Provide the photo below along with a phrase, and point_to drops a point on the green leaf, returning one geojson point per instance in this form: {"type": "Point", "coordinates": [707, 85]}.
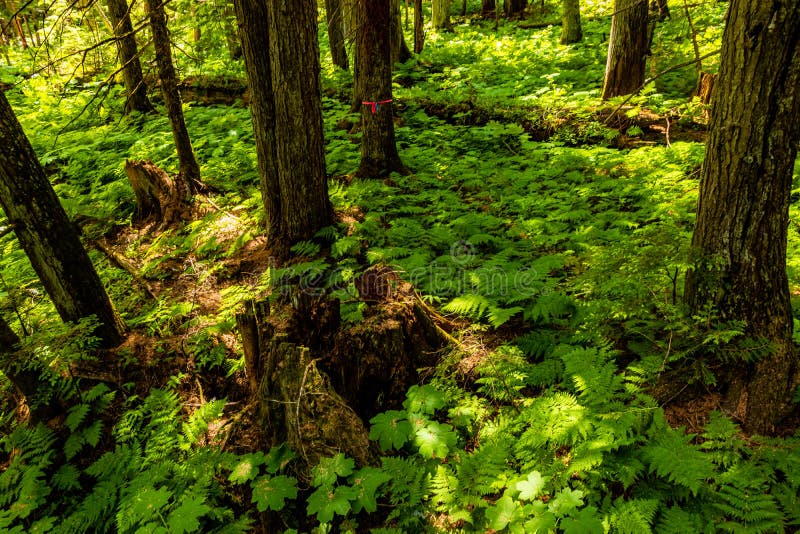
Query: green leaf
{"type": "Point", "coordinates": [76, 415]}
{"type": "Point", "coordinates": [271, 493]}
{"type": "Point", "coordinates": [502, 513]}
{"type": "Point", "coordinates": [146, 502]}
{"type": "Point", "coordinates": [325, 502]}
{"type": "Point", "coordinates": [531, 487]}
{"type": "Point", "coordinates": [586, 521]}
{"type": "Point", "coordinates": [424, 399]}
{"type": "Point", "coordinates": [434, 439]}
{"type": "Point", "coordinates": [278, 457]}
{"type": "Point", "coordinates": [366, 481]}
{"type": "Point", "coordinates": [565, 501]}
{"type": "Point", "coordinates": [326, 472]}
{"type": "Point", "coordinates": [185, 518]}
{"type": "Point", "coordinates": [247, 468]}
{"type": "Point", "coordinates": [391, 429]}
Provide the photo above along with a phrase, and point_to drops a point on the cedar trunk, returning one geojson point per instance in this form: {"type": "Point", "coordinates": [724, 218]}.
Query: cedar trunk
{"type": "Point", "coordinates": [661, 9]}
{"type": "Point", "coordinates": [571, 22]}
{"type": "Point", "coordinates": [487, 8]}
{"type": "Point", "coordinates": [300, 147]}
{"type": "Point", "coordinates": [373, 83]}
{"type": "Point", "coordinates": [400, 51]}
{"type": "Point", "coordinates": [333, 13]}
{"type": "Point", "coordinates": [252, 18]}
{"type": "Point", "coordinates": [419, 31]}
{"type": "Point", "coordinates": [440, 14]}
{"type": "Point", "coordinates": [281, 55]}
{"type": "Point", "coordinates": [189, 169]}
{"type": "Point", "coordinates": [743, 212]}
{"type": "Point", "coordinates": [627, 49]}
{"type": "Point", "coordinates": [135, 87]}
{"type": "Point", "coordinates": [47, 236]}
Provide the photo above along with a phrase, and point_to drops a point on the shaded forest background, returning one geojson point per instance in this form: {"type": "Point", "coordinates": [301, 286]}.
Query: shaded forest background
{"type": "Point", "coordinates": [486, 329]}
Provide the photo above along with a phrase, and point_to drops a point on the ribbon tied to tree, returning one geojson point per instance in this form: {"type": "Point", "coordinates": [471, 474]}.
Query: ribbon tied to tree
{"type": "Point", "coordinates": [376, 105]}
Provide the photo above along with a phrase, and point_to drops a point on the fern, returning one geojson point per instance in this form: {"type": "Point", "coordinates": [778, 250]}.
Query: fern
{"type": "Point", "coordinates": [669, 455]}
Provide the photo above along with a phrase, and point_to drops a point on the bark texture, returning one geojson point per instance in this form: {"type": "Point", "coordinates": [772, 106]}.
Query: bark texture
{"type": "Point", "coordinates": [440, 14]}
{"type": "Point", "coordinates": [333, 14]}
{"type": "Point", "coordinates": [661, 9]}
{"type": "Point", "coordinates": [627, 48]}
{"type": "Point", "coordinates": [135, 87]}
{"type": "Point", "coordinates": [571, 31]}
{"type": "Point", "coordinates": [419, 27]}
{"type": "Point", "coordinates": [300, 147]}
{"type": "Point", "coordinates": [487, 8]}
{"type": "Point", "coordinates": [282, 61]}
{"type": "Point", "coordinates": [189, 169]}
{"type": "Point", "coordinates": [47, 236]}
{"type": "Point", "coordinates": [373, 83]}
{"type": "Point", "coordinates": [743, 212]}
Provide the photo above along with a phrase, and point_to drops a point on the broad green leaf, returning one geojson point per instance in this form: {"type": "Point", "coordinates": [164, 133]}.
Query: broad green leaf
{"type": "Point", "coordinates": [565, 501]}
{"type": "Point", "coordinates": [271, 493]}
{"type": "Point", "coordinates": [586, 521]}
{"type": "Point", "coordinates": [185, 518]}
{"type": "Point", "coordinates": [502, 513]}
{"type": "Point", "coordinates": [329, 469]}
{"type": "Point", "coordinates": [366, 481]}
{"type": "Point", "coordinates": [391, 429]}
{"type": "Point", "coordinates": [326, 502]}
{"type": "Point", "coordinates": [434, 439]}
{"type": "Point", "coordinates": [423, 399]}
{"type": "Point", "coordinates": [531, 487]}
{"type": "Point", "coordinates": [247, 468]}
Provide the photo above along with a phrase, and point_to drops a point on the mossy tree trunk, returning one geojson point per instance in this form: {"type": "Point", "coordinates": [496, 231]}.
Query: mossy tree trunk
{"type": "Point", "coordinates": [373, 83]}
{"type": "Point", "coordinates": [189, 169]}
{"type": "Point", "coordinates": [627, 48]}
{"type": "Point", "coordinates": [281, 55]}
{"type": "Point", "coordinates": [440, 14]}
{"type": "Point", "coordinates": [135, 87]}
{"type": "Point", "coordinates": [571, 22]}
{"type": "Point", "coordinates": [745, 189]}
{"type": "Point", "coordinates": [47, 236]}
{"type": "Point", "coordinates": [487, 8]}
{"type": "Point", "coordinates": [333, 14]}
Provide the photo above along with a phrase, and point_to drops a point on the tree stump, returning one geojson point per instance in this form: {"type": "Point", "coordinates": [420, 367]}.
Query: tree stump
{"type": "Point", "coordinates": [316, 381]}
{"type": "Point", "coordinates": [705, 87]}
{"type": "Point", "coordinates": [160, 198]}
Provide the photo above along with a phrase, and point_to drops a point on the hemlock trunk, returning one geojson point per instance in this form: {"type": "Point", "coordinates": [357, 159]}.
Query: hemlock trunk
{"type": "Point", "coordinates": [47, 235]}
{"type": "Point", "coordinates": [743, 212]}
{"type": "Point", "coordinates": [627, 49]}
{"type": "Point", "coordinates": [189, 169]}
{"type": "Point", "coordinates": [373, 84]}
{"type": "Point", "coordinates": [135, 88]}
{"type": "Point", "coordinates": [571, 22]}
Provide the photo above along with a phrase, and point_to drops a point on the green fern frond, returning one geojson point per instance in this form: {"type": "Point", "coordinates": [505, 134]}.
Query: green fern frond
{"type": "Point", "coordinates": [198, 422]}
{"type": "Point", "coordinates": [670, 455]}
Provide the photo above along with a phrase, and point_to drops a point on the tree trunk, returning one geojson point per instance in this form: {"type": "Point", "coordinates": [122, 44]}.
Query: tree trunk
{"type": "Point", "coordinates": [419, 29]}
{"type": "Point", "coordinates": [26, 380]}
{"type": "Point", "coordinates": [135, 88]}
{"type": "Point", "coordinates": [373, 85]}
{"type": "Point", "coordinates": [440, 14]}
{"type": "Point", "coordinates": [159, 198]}
{"type": "Point", "coordinates": [400, 51]}
{"type": "Point", "coordinates": [487, 8]}
{"type": "Point", "coordinates": [232, 39]}
{"type": "Point", "coordinates": [745, 188]}
{"type": "Point", "coordinates": [189, 169]}
{"type": "Point", "coordinates": [252, 18]}
{"type": "Point", "coordinates": [333, 13]}
{"type": "Point", "coordinates": [661, 9]}
{"type": "Point", "coordinates": [281, 55]}
{"type": "Point", "coordinates": [47, 236]}
{"type": "Point", "coordinates": [294, 57]}
{"type": "Point", "coordinates": [514, 7]}
{"type": "Point", "coordinates": [627, 48]}
{"type": "Point", "coordinates": [571, 22]}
